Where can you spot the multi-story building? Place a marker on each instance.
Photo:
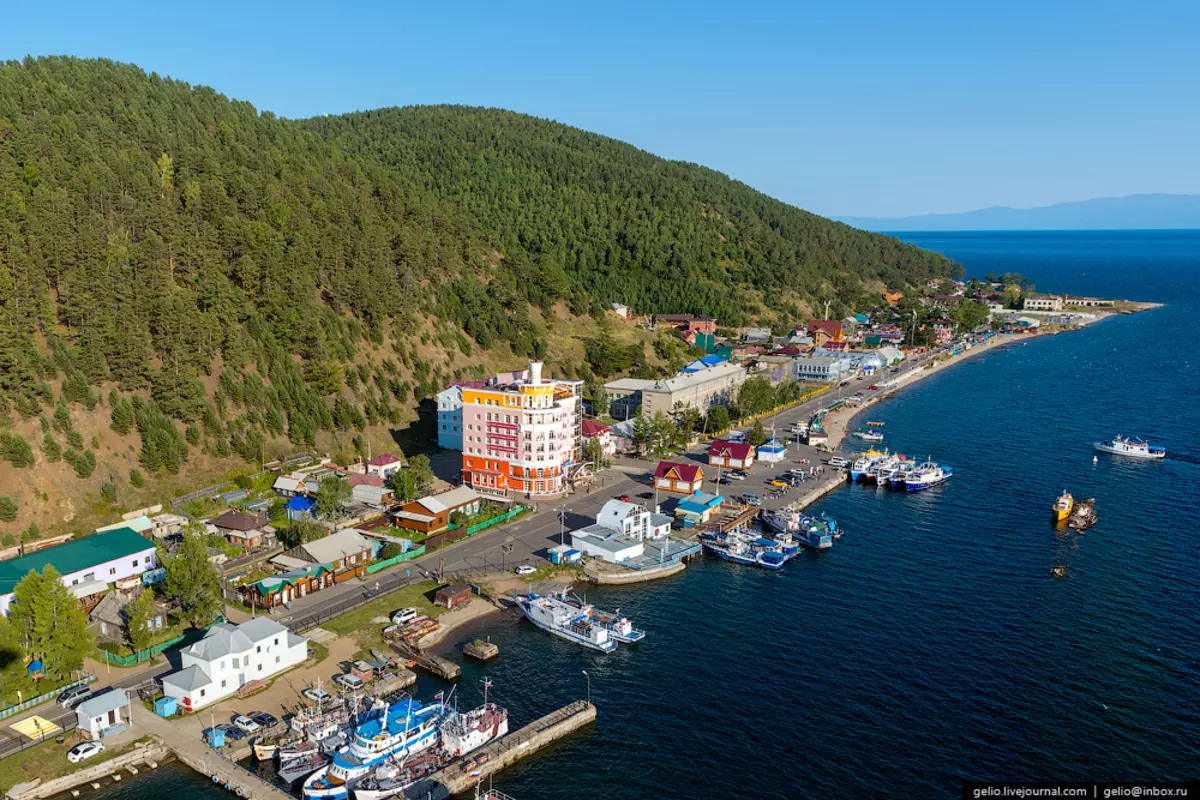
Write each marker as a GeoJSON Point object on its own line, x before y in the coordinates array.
{"type": "Point", "coordinates": [1043, 302]}
{"type": "Point", "coordinates": [819, 368]}
{"type": "Point", "coordinates": [699, 389]}
{"type": "Point", "coordinates": [450, 405]}
{"type": "Point", "coordinates": [522, 436]}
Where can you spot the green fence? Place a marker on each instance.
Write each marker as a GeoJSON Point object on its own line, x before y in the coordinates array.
{"type": "Point", "coordinates": [416, 552]}
{"type": "Point", "coordinates": [151, 652]}
{"type": "Point", "coordinates": [497, 520]}
{"type": "Point", "coordinates": [41, 698]}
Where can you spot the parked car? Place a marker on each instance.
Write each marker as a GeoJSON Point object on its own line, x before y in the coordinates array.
{"type": "Point", "coordinates": [839, 461]}
{"type": "Point", "coordinates": [232, 731]}
{"type": "Point", "coordinates": [404, 616]}
{"type": "Point", "coordinates": [873, 387]}
{"type": "Point", "coordinates": [624, 498]}
{"type": "Point", "coordinates": [318, 696]}
{"type": "Point", "coordinates": [737, 475]}
{"type": "Point", "coordinates": [645, 495]}
{"type": "Point", "coordinates": [74, 696]}
{"type": "Point", "coordinates": [525, 569]}
{"type": "Point", "coordinates": [82, 751]}
{"type": "Point", "coordinates": [264, 719]}
{"type": "Point", "coordinates": [245, 723]}
{"type": "Point", "coordinates": [752, 499]}
{"type": "Point", "coordinates": [349, 682]}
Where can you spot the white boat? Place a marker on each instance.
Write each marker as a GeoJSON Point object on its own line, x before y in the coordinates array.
{"type": "Point", "coordinates": [869, 436]}
{"type": "Point", "coordinates": [296, 769]}
{"type": "Point", "coordinates": [1127, 446]}
{"type": "Point", "coordinates": [566, 622]}
{"type": "Point", "coordinates": [926, 476]}
{"type": "Point", "coordinates": [391, 779]}
{"type": "Point", "coordinates": [401, 730]}
{"type": "Point", "coordinates": [462, 733]}
{"type": "Point", "coordinates": [617, 624]}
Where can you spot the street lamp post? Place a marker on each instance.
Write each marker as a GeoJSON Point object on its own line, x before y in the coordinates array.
{"type": "Point", "coordinates": [589, 686]}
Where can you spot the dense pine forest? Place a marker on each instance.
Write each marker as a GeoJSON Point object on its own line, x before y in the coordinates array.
{"type": "Point", "coordinates": [577, 212]}
{"type": "Point", "coordinates": [195, 275]}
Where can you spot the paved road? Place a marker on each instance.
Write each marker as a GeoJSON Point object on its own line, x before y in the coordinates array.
{"type": "Point", "coordinates": [526, 540]}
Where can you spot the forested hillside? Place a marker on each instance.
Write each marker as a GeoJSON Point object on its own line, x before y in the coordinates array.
{"type": "Point", "coordinates": [184, 278]}
{"type": "Point", "coordinates": [572, 208]}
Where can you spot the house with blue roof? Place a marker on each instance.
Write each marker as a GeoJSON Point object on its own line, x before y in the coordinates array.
{"type": "Point", "coordinates": [698, 508]}
{"type": "Point", "coordinates": [703, 363]}
{"type": "Point", "coordinates": [301, 507]}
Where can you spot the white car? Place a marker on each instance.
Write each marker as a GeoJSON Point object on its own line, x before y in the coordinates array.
{"type": "Point", "coordinates": [838, 461]}
{"type": "Point", "coordinates": [347, 681]}
{"type": "Point", "coordinates": [737, 476]}
{"type": "Point", "coordinates": [525, 569]}
{"type": "Point", "coordinates": [246, 724]}
{"type": "Point", "coordinates": [86, 750]}
{"type": "Point", "coordinates": [404, 616]}
{"type": "Point", "coordinates": [318, 696]}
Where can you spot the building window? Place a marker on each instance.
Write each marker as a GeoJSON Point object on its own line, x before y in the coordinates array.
{"type": "Point", "coordinates": [202, 692]}
{"type": "Point", "coordinates": [260, 667]}
{"type": "Point", "coordinates": [276, 659]}
{"type": "Point", "coordinates": [135, 562]}
{"type": "Point", "coordinates": [222, 684]}
{"type": "Point", "coordinates": [112, 570]}
{"type": "Point", "coordinates": [258, 649]}
{"type": "Point", "coordinates": [276, 640]}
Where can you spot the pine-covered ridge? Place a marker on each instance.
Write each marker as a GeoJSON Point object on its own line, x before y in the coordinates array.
{"type": "Point", "coordinates": [605, 220]}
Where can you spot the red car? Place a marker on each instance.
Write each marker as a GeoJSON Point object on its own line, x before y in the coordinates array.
{"type": "Point", "coordinates": [624, 498]}
{"type": "Point", "coordinates": [872, 387]}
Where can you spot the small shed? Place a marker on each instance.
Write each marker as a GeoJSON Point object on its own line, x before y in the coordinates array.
{"type": "Point", "coordinates": [105, 714]}
{"type": "Point", "coordinates": [166, 706]}
{"type": "Point", "coordinates": [453, 596]}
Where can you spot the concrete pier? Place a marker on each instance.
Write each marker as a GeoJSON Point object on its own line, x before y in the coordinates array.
{"type": "Point", "coordinates": [183, 738]}
{"type": "Point", "coordinates": [504, 752]}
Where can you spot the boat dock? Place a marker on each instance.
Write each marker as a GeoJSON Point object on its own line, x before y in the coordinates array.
{"type": "Point", "coordinates": [184, 741]}
{"type": "Point", "coordinates": [441, 667]}
{"type": "Point", "coordinates": [504, 752]}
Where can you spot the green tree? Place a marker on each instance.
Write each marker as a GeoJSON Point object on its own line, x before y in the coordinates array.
{"type": "Point", "coordinates": [49, 622]}
{"type": "Point", "coordinates": [8, 508]}
{"type": "Point", "coordinates": [62, 417]}
{"type": "Point", "coordinates": [970, 315]}
{"type": "Point", "coordinates": [717, 419]}
{"type": "Point", "coordinates": [192, 580]}
{"type": "Point", "coordinates": [301, 531]}
{"type": "Point", "coordinates": [122, 416]}
{"type": "Point", "coordinates": [32, 532]}
{"type": "Point", "coordinates": [332, 495]}
{"type": "Point", "coordinates": [15, 449]}
{"type": "Point", "coordinates": [51, 449]}
{"type": "Point", "coordinates": [593, 451]}
{"type": "Point", "coordinates": [135, 479]}
{"type": "Point", "coordinates": [139, 618]}
{"type": "Point", "coordinates": [599, 400]}
{"type": "Point", "coordinates": [460, 519]}
{"type": "Point", "coordinates": [757, 434]}
{"type": "Point", "coordinates": [108, 490]}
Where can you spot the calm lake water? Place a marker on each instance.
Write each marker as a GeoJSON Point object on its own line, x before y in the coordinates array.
{"type": "Point", "coordinates": [930, 644]}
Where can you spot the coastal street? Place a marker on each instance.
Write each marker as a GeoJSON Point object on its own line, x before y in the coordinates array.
{"type": "Point", "coordinates": [525, 540]}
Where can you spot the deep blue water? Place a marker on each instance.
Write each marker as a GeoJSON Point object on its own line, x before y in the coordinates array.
{"type": "Point", "coordinates": [930, 644]}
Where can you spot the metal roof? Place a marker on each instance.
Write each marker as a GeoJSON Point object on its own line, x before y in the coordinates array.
{"type": "Point", "coordinates": [101, 704]}
{"type": "Point", "coordinates": [81, 554]}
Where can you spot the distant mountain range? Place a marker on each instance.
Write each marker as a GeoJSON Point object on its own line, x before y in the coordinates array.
{"type": "Point", "coordinates": [1139, 211]}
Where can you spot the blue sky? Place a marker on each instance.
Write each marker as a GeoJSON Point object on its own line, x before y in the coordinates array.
{"type": "Point", "coordinates": [867, 108]}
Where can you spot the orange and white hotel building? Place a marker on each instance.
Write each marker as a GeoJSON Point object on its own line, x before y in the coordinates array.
{"type": "Point", "coordinates": [522, 436]}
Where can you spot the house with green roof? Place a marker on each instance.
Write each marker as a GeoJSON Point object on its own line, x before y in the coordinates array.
{"type": "Point", "coordinates": [87, 565]}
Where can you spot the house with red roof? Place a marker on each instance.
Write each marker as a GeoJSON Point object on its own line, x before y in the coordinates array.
{"type": "Point", "coordinates": [672, 476]}
{"type": "Point", "coordinates": [591, 429]}
{"type": "Point", "coordinates": [730, 455]}
{"type": "Point", "coordinates": [384, 465]}
{"type": "Point", "coordinates": [824, 331]}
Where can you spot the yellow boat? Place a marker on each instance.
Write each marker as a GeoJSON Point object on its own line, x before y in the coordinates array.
{"type": "Point", "coordinates": [1063, 506]}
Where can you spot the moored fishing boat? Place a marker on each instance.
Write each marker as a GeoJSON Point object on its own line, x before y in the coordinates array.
{"type": "Point", "coordinates": [401, 729]}
{"type": "Point", "coordinates": [869, 436]}
{"type": "Point", "coordinates": [927, 475]}
{"type": "Point", "coordinates": [1062, 506]}
{"type": "Point", "coordinates": [391, 779]}
{"type": "Point", "coordinates": [553, 615]}
{"type": "Point", "coordinates": [617, 624]}
{"type": "Point", "coordinates": [470, 730]}
{"type": "Point", "coordinates": [296, 769]}
{"type": "Point", "coordinates": [1131, 447]}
